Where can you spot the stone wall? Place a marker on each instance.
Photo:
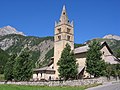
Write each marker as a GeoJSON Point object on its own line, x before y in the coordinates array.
{"type": "Point", "coordinates": [62, 83]}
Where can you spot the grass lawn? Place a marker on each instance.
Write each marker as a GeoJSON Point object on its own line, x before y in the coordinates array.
{"type": "Point", "coordinates": [19, 87]}
{"type": "Point", "coordinates": [22, 87]}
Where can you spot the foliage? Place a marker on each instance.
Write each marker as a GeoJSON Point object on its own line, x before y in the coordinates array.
{"type": "Point", "coordinates": [22, 70]}
{"type": "Point", "coordinates": [118, 53]}
{"type": "Point", "coordinates": [113, 70]}
{"type": "Point", "coordinates": [3, 59]}
{"type": "Point", "coordinates": [67, 64]}
{"type": "Point", "coordinates": [95, 64]}
{"type": "Point", "coordinates": [8, 71]}
{"type": "Point", "coordinates": [108, 70]}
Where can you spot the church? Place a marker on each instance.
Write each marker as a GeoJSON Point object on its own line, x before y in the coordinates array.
{"type": "Point", "coordinates": [63, 34]}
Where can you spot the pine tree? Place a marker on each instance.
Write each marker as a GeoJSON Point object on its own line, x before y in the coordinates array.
{"type": "Point", "coordinates": [3, 60]}
{"type": "Point", "coordinates": [95, 64]}
{"type": "Point", "coordinates": [8, 71]}
{"type": "Point", "coordinates": [23, 67]}
{"type": "Point", "coordinates": [67, 64]}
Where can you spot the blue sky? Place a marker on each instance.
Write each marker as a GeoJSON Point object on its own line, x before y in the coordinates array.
{"type": "Point", "coordinates": [92, 18]}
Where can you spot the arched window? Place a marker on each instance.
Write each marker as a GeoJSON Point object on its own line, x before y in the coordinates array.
{"type": "Point", "coordinates": [68, 30]}
{"type": "Point", "coordinates": [41, 74]}
{"type": "Point", "coordinates": [68, 38]}
{"type": "Point", "coordinates": [59, 30]}
{"type": "Point", "coordinates": [59, 38]}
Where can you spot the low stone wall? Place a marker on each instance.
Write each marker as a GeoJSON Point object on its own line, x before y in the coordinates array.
{"type": "Point", "coordinates": [62, 83]}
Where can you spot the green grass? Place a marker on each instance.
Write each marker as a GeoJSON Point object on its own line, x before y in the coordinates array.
{"type": "Point", "coordinates": [23, 87]}
{"type": "Point", "coordinates": [20, 87]}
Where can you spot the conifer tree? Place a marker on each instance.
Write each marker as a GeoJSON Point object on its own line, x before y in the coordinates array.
{"type": "Point", "coordinates": [95, 65]}
{"type": "Point", "coordinates": [23, 67]}
{"type": "Point", "coordinates": [67, 64]}
{"type": "Point", "coordinates": [3, 60]}
{"type": "Point", "coordinates": [8, 71]}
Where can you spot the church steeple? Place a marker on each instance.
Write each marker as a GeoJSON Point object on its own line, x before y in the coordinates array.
{"type": "Point", "coordinates": [64, 17]}
{"type": "Point", "coordinates": [64, 33]}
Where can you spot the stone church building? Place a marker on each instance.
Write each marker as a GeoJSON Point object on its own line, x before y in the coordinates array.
{"type": "Point", "coordinates": [64, 33]}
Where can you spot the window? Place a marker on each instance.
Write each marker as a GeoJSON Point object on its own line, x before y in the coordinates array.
{"type": "Point", "coordinates": [49, 77]}
{"type": "Point", "coordinates": [103, 52]}
{"type": "Point", "coordinates": [68, 38]}
{"type": "Point", "coordinates": [68, 30]}
{"type": "Point", "coordinates": [59, 37]}
{"type": "Point", "coordinates": [59, 30]}
{"type": "Point", "coordinates": [41, 74]}
{"type": "Point", "coordinates": [63, 13]}
{"type": "Point", "coordinates": [52, 67]}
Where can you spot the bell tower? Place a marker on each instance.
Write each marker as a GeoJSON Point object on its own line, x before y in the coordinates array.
{"type": "Point", "coordinates": [63, 34]}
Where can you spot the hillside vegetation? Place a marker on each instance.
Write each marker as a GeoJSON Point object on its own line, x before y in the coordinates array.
{"type": "Point", "coordinates": [39, 47]}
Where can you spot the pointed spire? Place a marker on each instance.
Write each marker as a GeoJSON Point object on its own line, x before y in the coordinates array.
{"type": "Point", "coordinates": [72, 24]}
{"type": "Point", "coordinates": [64, 7]}
{"type": "Point", "coordinates": [55, 23]}
{"type": "Point", "coordinates": [64, 17]}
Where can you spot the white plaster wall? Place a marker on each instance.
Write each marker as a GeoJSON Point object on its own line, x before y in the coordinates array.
{"type": "Point", "coordinates": [81, 61]}
{"type": "Point", "coordinates": [34, 76]}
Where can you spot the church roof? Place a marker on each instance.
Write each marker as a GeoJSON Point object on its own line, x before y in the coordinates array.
{"type": "Point", "coordinates": [82, 49]}
{"type": "Point", "coordinates": [44, 69]}
{"type": "Point", "coordinates": [64, 17]}
{"type": "Point", "coordinates": [80, 68]}
{"type": "Point", "coordinates": [111, 59]}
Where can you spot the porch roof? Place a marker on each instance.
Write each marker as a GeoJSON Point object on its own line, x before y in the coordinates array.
{"type": "Point", "coordinates": [44, 69]}
{"type": "Point", "coordinates": [80, 68]}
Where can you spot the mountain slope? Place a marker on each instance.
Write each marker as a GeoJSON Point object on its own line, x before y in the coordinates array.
{"type": "Point", "coordinates": [110, 36]}
{"type": "Point", "coordinates": [38, 47]}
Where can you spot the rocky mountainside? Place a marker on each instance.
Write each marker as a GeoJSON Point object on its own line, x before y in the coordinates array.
{"type": "Point", "coordinates": [40, 48]}
{"type": "Point", "coordinates": [110, 36]}
{"type": "Point", "coordinates": [9, 30]}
